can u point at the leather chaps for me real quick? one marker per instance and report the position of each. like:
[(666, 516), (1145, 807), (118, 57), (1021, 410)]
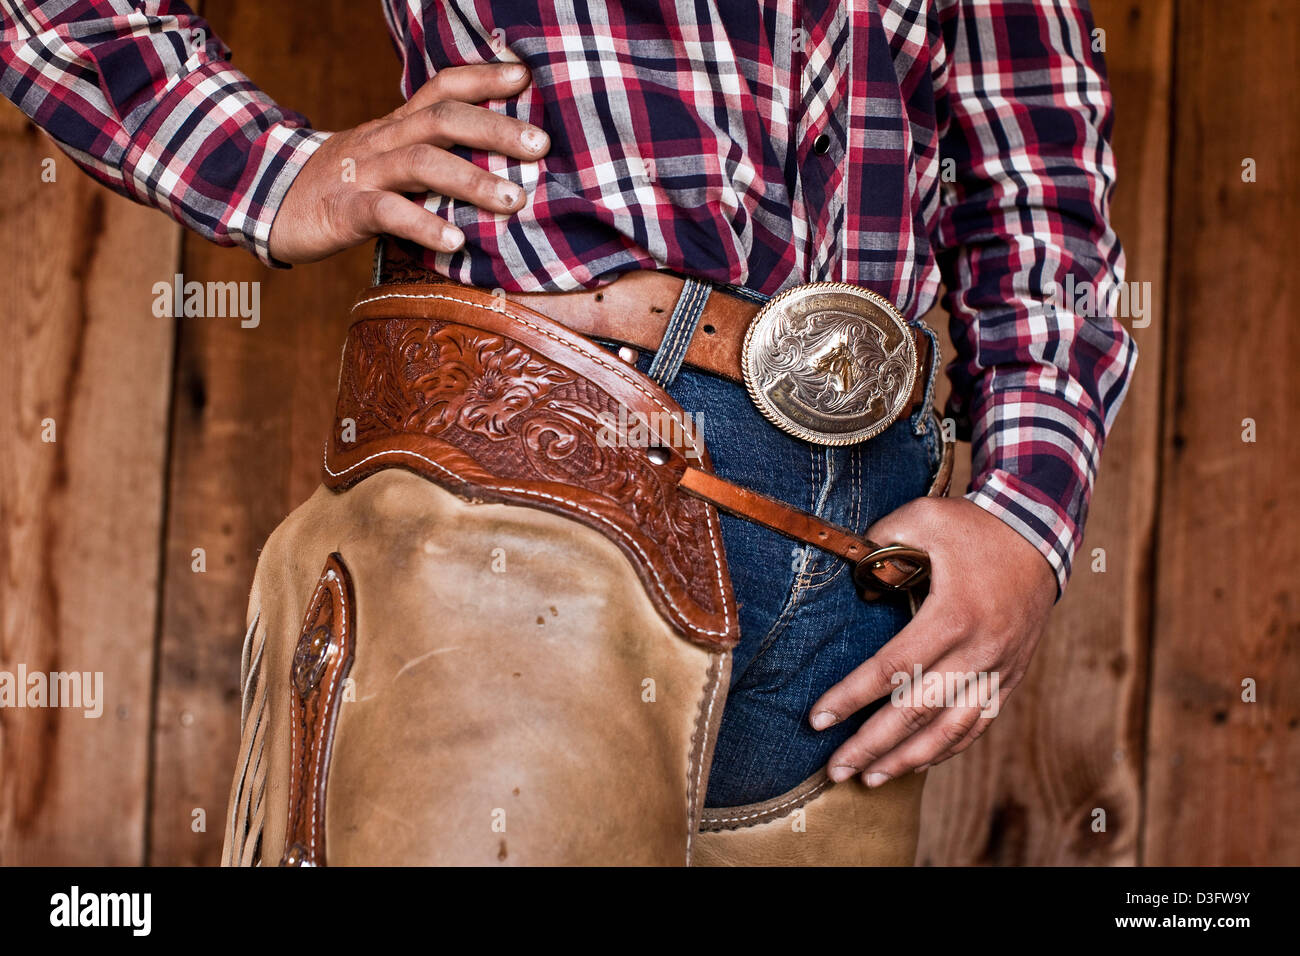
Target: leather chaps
[(493, 637)]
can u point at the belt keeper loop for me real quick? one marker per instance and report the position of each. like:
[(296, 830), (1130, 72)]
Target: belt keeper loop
[(668, 358), (921, 426)]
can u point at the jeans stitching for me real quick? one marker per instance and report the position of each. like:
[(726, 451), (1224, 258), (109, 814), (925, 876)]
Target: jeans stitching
[(829, 482), (792, 603), (798, 586), (834, 571), (681, 329)]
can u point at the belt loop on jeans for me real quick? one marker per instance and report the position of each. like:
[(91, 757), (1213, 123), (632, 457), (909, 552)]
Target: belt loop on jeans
[(921, 419), (668, 359)]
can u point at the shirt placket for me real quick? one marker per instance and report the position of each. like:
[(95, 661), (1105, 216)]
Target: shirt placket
[(820, 66)]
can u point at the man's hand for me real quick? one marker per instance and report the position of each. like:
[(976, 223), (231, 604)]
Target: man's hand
[(325, 211), (990, 594)]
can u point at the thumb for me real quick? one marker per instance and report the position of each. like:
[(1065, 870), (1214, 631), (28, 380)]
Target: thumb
[(912, 524), (913, 531)]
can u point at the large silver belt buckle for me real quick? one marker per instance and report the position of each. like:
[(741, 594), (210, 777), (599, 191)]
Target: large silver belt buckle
[(829, 362)]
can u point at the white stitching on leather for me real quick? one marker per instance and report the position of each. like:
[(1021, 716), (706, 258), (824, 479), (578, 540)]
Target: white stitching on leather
[(710, 517), (321, 585), (345, 631), (293, 738), (716, 664), (599, 517), (598, 359), (771, 810)]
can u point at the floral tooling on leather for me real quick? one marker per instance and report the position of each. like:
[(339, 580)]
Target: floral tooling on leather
[(506, 422)]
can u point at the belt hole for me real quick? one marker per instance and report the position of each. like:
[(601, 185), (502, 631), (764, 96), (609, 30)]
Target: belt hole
[(709, 330), (600, 297)]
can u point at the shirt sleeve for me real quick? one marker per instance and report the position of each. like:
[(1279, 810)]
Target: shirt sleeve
[(142, 96), (1031, 265)]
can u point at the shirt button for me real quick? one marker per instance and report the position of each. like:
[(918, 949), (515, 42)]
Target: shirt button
[(822, 145)]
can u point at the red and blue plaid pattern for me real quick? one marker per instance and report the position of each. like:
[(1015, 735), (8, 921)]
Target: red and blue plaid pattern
[(901, 146), (142, 97)]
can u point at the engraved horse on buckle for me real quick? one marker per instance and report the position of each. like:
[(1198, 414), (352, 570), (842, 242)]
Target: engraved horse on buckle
[(830, 363)]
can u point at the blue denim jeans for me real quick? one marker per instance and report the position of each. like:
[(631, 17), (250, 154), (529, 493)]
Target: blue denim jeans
[(802, 625)]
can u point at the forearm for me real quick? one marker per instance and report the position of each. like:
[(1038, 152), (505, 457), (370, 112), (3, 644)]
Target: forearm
[(148, 104), (1038, 380)]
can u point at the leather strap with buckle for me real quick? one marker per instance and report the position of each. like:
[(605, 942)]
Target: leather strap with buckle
[(877, 569), (634, 310)]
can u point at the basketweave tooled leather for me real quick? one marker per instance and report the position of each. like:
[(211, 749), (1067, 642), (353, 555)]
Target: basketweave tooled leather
[(496, 402)]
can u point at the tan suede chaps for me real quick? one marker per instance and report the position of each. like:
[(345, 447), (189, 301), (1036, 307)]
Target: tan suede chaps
[(491, 639)]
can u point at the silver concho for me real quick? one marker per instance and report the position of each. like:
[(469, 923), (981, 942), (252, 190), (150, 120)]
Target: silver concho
[(829, 362)]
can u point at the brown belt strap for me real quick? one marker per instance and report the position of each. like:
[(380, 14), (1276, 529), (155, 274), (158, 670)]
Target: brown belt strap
[(875, 569), (634, 310)]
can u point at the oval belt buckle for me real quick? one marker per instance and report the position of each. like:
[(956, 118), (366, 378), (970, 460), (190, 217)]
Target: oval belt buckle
[(829, 362), (911, 567)]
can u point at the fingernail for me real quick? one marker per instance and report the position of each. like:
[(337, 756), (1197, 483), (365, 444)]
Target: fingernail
[(876, 779), (515, 71), (533, 139), (453, 237), (823, 719), (842, 772), (509, 193)]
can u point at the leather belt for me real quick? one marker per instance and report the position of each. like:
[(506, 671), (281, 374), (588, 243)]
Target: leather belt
[(414, 315), (634, 310)]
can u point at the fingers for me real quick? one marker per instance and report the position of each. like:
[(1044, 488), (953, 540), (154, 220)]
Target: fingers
[(971, 640), (468, 84), (325, 211), (915, 731), (947, 736), (385, 212), (914, 645), (879, 736), (450, 123), (425, 168)]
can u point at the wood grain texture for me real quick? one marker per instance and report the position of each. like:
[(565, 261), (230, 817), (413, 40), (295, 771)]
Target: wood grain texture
[(1222, 773), (252, 411), (1133, 704), (79, 516), (1070, 740)]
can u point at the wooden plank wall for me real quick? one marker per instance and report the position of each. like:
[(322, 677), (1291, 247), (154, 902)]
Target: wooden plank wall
[(1222, 772), (80, 516), (197, 433), (252, 409), (1070, 741)]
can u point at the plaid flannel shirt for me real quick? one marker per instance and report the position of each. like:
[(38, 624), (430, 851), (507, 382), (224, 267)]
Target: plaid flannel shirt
[(901, 146)]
